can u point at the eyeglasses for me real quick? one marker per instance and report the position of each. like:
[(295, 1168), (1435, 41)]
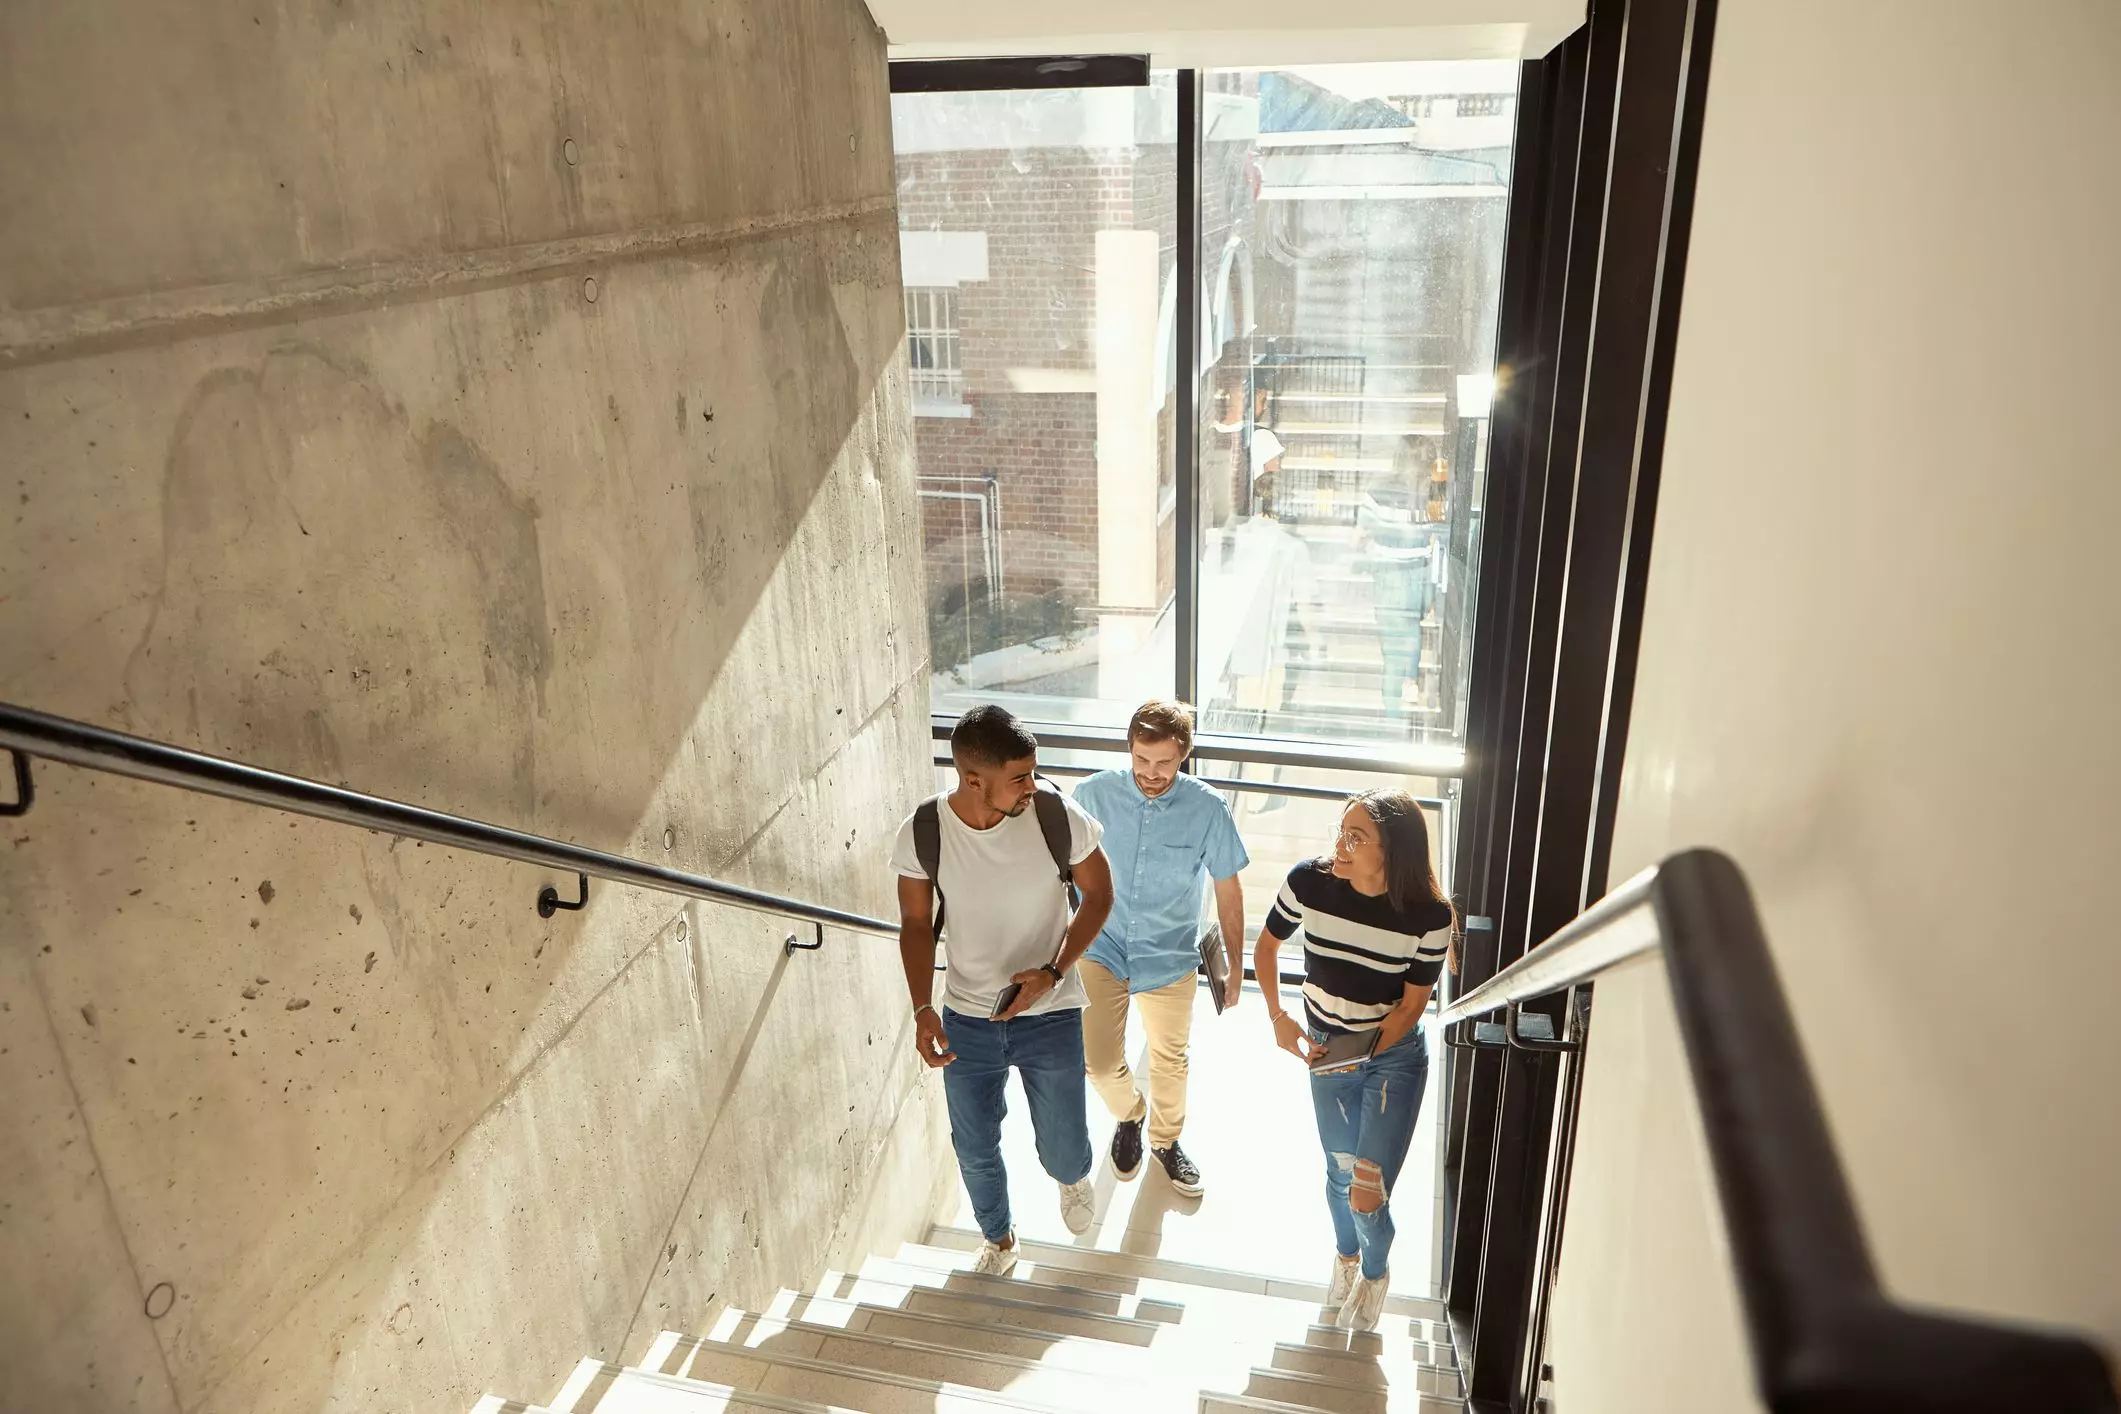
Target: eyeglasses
[(1350, 841)]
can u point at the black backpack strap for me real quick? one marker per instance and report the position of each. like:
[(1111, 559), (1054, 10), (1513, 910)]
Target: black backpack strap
[(1052, 813), (928, 852)]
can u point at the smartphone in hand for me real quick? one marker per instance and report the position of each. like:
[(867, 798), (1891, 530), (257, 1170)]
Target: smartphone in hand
[(1006, 999)]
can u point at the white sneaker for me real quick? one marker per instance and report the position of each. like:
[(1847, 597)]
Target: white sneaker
[(994, 1261), (1345, 1270), (1365, 1304), (1078, 1205)]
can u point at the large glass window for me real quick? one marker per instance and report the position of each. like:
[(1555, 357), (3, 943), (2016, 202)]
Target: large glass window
[(1352, 231), (1038, 234)]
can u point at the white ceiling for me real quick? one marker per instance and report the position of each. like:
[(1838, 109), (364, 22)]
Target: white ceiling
[(1230, 33)]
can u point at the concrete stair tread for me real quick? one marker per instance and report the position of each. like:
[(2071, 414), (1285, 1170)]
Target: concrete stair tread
[(1214, 1402), (1258, 1319), (598, 1387), (981, 1306), (897, 1377), (1347, 1393), (1170, 1387), (1391, 1356), (1352, 1367), (1134, 1305), (979, 1335), (874, 1391), (1071, 1330), (951, 1239), (1085, 1355), (1206, 1358)]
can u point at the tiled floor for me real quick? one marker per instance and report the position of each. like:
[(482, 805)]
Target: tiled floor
[(1249, 1128)]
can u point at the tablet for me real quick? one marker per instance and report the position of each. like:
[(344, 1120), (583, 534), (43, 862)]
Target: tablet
[(1345, 1051)]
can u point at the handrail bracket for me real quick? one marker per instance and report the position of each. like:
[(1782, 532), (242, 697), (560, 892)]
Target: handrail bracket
[(550, 902)]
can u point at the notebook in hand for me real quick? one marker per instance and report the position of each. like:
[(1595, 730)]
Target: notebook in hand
[(1215, 961), (1344, 1052)]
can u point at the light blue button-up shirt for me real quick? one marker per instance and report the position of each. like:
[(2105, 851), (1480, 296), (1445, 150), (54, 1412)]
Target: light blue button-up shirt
[(1163, 852)]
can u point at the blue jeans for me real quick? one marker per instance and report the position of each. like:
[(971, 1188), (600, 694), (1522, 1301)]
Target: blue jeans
[(1048, 1051), (1369, 1113)]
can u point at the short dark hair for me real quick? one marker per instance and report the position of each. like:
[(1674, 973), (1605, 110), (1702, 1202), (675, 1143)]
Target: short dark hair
[(1161, 719), (990, 736)]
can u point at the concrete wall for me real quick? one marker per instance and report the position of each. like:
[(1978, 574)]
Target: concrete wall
[(499, 407), (1879, 667)]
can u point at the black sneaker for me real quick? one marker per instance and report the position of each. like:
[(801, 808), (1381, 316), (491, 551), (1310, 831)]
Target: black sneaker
[(1179, 1169), (1127, 1150)]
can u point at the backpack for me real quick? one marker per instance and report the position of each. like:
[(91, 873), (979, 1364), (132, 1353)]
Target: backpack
[(1052, 815)]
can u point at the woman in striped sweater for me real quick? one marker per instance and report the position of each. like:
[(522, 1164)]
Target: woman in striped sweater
[(1377, 930)]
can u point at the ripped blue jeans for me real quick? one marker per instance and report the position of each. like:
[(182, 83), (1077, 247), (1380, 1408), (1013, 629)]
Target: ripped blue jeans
[(1369, 1113)]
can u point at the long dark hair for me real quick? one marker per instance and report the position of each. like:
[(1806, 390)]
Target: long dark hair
[(1403, 831), (1403, 834)]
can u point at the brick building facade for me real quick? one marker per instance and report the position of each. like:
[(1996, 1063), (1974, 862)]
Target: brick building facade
[(1020, 414)]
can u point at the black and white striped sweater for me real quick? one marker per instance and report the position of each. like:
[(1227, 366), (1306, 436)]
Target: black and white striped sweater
[(1360, 953)]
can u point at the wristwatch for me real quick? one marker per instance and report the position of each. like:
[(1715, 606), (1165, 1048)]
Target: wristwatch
[(1057, 978)]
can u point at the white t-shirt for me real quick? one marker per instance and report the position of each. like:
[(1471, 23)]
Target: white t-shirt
[(1265, 448), (1008, 911)]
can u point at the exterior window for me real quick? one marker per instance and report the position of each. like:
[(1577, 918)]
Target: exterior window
[(1038, 239), (1352, 231), (932, 349)]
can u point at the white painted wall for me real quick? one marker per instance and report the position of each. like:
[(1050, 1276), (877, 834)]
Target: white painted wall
[(1232, 33), (1879, 667)]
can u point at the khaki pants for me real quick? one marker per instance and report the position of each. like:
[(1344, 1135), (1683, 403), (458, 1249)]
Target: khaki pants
[(1167, 1015)]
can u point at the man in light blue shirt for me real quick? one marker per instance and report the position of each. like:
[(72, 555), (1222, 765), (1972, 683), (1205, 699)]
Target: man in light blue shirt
[(1165, 834)]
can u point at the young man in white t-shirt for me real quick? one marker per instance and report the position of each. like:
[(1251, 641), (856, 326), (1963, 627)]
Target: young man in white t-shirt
[(1008, 922)]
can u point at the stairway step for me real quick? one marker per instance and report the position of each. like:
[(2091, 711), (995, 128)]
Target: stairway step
[(985, 1337), (875, 1391), (1303, 1363), (1260, 1318), (1026, 1270), (1214, 1403), (1184, 1273), (891, 1377), (1046, 1293), (976, 1337), (596, 1387), (1078, 1377), (1206, 1358), (1371, 1347), (1021, 1315)]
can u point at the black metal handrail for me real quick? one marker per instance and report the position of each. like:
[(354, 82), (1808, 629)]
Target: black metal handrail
[(1826, 1339), (1446, 763), (28, 733), (1238, 785)]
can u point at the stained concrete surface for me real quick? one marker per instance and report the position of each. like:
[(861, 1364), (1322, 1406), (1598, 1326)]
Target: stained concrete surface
[(573, 495)]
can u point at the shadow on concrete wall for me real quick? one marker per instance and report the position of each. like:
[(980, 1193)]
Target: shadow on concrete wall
[(277, 1035)]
